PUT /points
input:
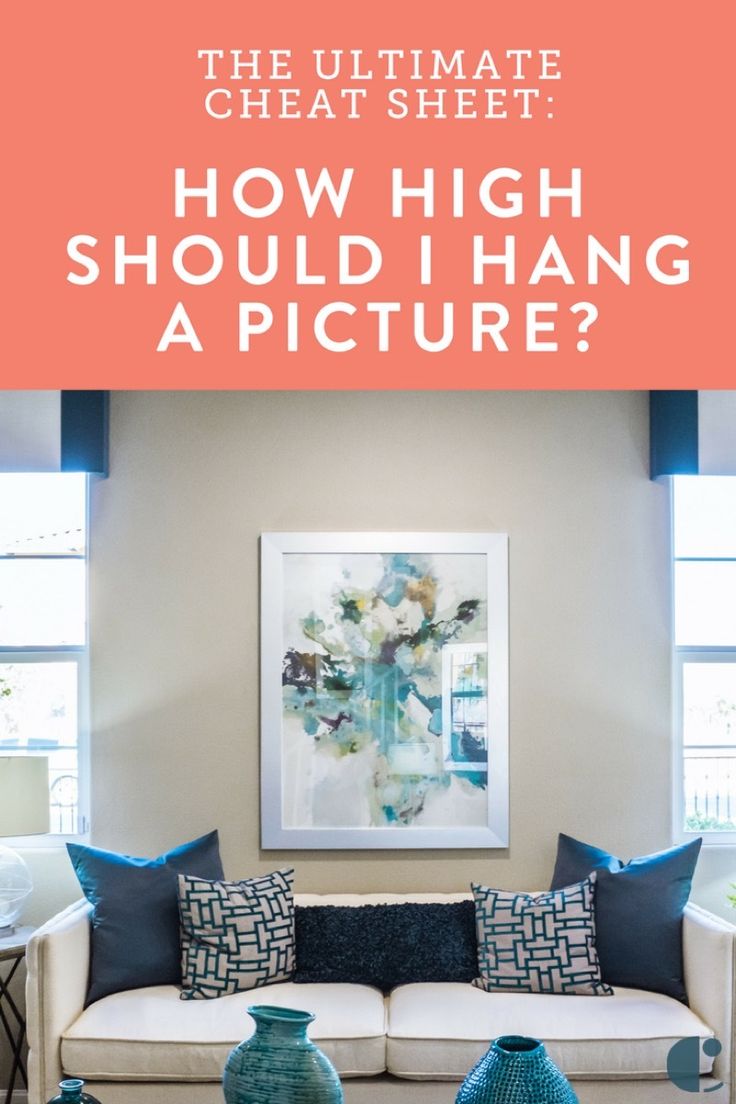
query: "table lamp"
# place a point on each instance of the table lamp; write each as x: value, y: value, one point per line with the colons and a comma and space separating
x: 24, y: 811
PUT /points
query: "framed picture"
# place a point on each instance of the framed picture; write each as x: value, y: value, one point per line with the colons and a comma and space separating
x: 384, y: 690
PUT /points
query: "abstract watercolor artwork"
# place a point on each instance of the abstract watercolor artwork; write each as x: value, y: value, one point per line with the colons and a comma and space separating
x: 384, y: 690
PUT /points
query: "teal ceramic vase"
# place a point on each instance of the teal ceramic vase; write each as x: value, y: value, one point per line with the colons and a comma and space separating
x: 516, y: 1070
x: 71, y: 1093
x: 278, y: 1064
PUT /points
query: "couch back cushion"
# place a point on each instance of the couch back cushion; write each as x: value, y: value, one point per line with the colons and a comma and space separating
x: 388, y: 943
x: 306, y: 900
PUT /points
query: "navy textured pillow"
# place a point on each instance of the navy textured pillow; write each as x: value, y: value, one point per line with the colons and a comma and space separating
x: 638, y: 911
x: 386, y: 945
x: 135, y: 922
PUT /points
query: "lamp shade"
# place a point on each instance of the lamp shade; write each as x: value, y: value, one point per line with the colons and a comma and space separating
x: 24, y: 795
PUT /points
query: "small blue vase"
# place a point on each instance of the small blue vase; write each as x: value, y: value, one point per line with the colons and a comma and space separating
x: 71, y: 1093
x: 279, y: 1064
x: 516, y: 1070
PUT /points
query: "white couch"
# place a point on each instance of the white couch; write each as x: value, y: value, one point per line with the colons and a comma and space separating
x: 146, y: 1046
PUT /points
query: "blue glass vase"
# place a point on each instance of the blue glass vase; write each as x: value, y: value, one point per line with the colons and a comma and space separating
x: 516, y: 1070
x: 278, y: 1064
x: 71, y: 1093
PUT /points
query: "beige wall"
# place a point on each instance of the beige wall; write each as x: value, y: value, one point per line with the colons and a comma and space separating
x: 194, y: 480
x: 715, y: 879
x: 174, y: 589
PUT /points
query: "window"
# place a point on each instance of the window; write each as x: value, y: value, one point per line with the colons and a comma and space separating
x: 43, y: 633
x: 704, y: 531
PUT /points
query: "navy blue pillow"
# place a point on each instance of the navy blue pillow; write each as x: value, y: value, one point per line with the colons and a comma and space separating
x: 638, y: 911
x: 386, y: 945
x: 135, y: 922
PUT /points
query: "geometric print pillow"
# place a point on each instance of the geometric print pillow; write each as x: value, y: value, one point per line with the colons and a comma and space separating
x: 235, y: 935
x: 538, y: 944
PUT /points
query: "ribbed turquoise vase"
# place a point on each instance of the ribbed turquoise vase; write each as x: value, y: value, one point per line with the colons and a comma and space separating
x: 516, y: 1070
x: 279, y: 1064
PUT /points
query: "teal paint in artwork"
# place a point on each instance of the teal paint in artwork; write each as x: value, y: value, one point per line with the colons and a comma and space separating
x: 350, y: 609
x: 311, y: 724
x: 368, y: 671
x: 435, y: 724
x: 475, y: 778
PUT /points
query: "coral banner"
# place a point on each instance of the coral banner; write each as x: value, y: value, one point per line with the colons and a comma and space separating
x: 406, y: 196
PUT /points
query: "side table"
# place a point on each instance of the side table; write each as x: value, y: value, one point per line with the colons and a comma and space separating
x: 13, y: 951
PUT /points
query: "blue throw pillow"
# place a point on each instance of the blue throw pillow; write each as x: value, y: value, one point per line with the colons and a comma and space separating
x: 386, y: 945
x: 135, y: 922
x: 638, y: 911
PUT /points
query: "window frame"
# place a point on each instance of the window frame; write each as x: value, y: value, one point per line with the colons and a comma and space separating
x: 44, y: 653
x: 682, y: 654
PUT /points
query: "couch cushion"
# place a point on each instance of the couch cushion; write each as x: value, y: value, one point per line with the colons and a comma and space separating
x: 151, y: 1035
x: 437, y: 1032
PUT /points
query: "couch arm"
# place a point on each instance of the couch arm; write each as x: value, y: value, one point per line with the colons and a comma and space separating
x: 709, y: 951
x: 57, y: 962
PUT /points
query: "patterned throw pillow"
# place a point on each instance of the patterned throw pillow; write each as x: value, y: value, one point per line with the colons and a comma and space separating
x: 538, y: 944
x: 235, y: 935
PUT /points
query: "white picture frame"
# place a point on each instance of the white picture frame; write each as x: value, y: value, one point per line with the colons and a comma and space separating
x: 356, y: 634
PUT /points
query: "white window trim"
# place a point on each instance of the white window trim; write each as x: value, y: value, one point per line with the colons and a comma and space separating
x: 53, y: 655
x: 682, y: 656
x: 46, y: 654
